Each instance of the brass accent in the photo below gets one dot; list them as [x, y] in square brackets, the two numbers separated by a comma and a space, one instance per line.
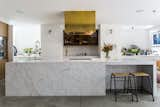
[80, 21]
[140, 74]
[124, 74]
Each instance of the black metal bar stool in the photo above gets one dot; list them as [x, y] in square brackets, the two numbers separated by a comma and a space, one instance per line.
[142, 75]
[126, 78]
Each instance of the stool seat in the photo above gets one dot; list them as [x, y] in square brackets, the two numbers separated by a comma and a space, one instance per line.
[139, 74]
[123, 74]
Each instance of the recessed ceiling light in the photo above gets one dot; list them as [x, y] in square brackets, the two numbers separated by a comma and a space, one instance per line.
[19, 12]
[154, 11]
[140, 11]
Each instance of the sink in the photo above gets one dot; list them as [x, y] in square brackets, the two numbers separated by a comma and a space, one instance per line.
[80, 58]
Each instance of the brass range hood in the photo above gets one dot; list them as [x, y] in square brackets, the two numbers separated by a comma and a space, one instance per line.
[80, 22]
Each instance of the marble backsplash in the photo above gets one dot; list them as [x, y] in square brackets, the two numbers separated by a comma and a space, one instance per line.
[81, 50]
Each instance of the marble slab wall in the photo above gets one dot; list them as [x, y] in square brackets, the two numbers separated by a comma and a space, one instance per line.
[55, 79]
[78, 50]
[52, 41]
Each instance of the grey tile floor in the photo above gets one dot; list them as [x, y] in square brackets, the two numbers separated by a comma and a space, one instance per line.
[72, 102]
[106, 101]
[2, 89]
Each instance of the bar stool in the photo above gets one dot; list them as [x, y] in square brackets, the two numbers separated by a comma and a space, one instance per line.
[127, 81]
[141, 75]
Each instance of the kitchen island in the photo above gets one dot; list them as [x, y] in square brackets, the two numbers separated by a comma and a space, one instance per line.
[70, 77]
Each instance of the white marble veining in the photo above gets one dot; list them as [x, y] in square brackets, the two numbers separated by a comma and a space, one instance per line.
[55, 79]
[52, 41]
[77, 50]
[94, 59]
[69, 77]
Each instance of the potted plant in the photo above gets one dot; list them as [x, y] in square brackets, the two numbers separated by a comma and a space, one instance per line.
[131, 50]
[107, 48]
[28, 51]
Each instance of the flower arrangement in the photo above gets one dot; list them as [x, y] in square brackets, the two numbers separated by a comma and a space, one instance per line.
[107, 48]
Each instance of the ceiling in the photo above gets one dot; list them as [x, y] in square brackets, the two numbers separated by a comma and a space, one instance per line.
[107, 11]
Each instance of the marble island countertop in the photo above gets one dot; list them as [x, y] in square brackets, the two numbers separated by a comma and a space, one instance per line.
[70, 77]
[133, 61]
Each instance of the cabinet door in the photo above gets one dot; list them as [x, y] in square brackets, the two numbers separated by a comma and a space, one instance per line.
[3, 29]
[2, 70]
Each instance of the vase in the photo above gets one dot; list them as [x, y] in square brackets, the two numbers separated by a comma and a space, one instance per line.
[107, 54]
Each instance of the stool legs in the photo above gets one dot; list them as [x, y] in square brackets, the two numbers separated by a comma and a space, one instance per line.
[124, 85]
[135, 88]
[130, 86]
[141, 85]
[111, 84]
[150, 85]
[127, 81]
[115, 89]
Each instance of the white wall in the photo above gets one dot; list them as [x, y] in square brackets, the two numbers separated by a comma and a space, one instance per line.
[24, 36]
[122, 36]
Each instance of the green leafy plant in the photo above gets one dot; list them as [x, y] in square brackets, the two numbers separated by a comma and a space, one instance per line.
[133, 50]
[28, 50]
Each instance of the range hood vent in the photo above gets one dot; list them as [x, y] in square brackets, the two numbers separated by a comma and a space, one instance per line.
[80, 21]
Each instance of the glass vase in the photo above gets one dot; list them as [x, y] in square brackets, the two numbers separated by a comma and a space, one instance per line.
[107, 54]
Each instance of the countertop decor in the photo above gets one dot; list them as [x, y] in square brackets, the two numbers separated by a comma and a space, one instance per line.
[107, 48]
[28, 51]
[131, 50]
